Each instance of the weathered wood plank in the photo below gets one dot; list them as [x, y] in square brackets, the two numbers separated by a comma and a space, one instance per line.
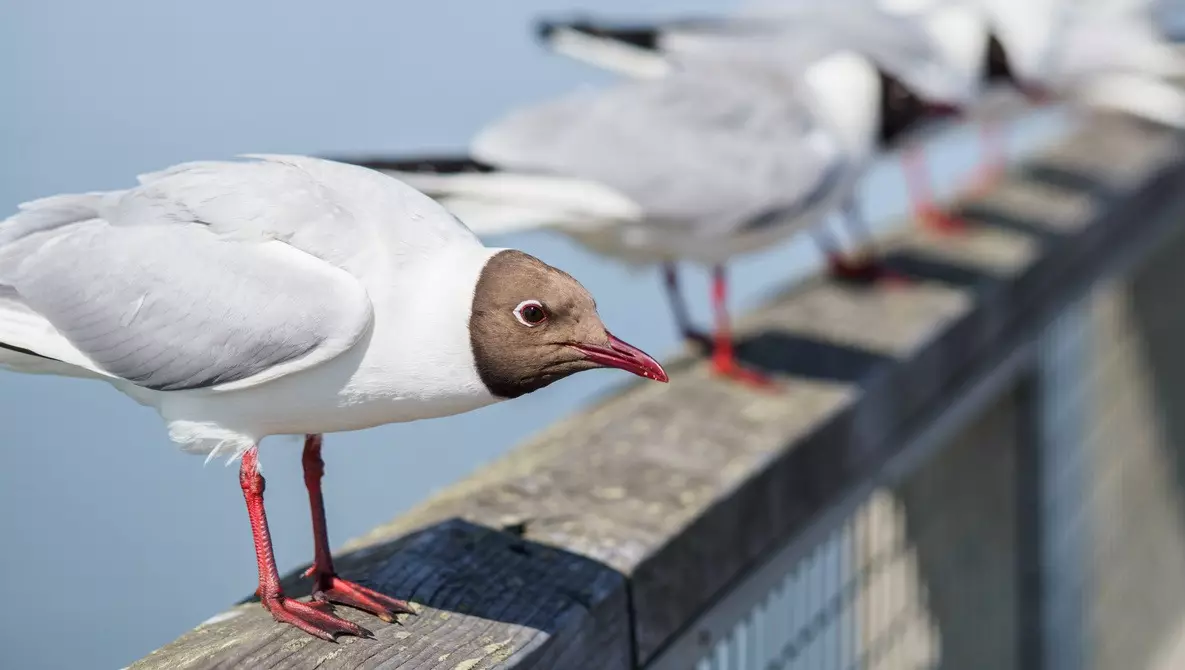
[626, 521]
[484, 596]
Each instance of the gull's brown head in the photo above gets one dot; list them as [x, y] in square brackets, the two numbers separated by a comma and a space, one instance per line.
[532, 324]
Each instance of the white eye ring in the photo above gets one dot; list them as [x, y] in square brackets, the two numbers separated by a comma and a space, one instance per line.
[518, 312]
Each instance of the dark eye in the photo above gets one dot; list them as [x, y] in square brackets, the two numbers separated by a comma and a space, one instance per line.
[530, 313]
[533, 314]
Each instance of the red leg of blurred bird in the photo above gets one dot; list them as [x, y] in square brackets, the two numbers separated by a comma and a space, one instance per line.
[720, 345]
[991, 169]
[917, 181]
[327, 586]
[724, 359]
[285, 610]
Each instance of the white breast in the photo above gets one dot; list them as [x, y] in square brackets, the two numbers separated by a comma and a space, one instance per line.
[415, 363]
[846, 91]
[959, 33]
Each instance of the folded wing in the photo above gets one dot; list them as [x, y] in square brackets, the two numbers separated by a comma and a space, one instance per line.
[714, 150]
[176, 287]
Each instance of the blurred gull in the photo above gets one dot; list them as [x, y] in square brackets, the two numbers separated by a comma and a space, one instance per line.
[1105, 54]
[1091, 54]
[1111, 55]
[795, 34]
[943, 50]
[711, 161]
[288, 295]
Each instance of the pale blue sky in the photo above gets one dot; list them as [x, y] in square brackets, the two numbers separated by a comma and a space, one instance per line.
[109, 533]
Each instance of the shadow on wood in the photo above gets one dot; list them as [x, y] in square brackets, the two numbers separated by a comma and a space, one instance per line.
[807, 357]
[919, 267]
[482, 595]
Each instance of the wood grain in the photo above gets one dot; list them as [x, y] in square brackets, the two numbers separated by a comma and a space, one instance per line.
[598, 541]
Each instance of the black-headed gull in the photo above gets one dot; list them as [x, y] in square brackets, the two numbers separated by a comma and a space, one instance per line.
[1098, 53]
[288, 295]
[700, 165]
[985, 52]
[1112, 55]
[1086, 53]
[944, 51]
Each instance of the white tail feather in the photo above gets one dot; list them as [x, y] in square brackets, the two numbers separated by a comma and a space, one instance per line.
[501, 202]
[484, 217]
[608, 54]
[1146, 97]
[23, 328]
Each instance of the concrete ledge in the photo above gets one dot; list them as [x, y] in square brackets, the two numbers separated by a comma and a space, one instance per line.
[596, 543]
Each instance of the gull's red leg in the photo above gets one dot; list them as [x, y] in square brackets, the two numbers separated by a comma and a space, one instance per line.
[327, 586]
[917, 180]
[991, 138]
[724, 360]
[285, 610]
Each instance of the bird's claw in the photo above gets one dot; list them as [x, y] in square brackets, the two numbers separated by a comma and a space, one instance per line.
[942, 222]
[724, 363]
[864, 271]
[333, 589]
[729, 368]
[312, 619]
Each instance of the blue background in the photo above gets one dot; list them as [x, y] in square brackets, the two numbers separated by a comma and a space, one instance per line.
[107, 531]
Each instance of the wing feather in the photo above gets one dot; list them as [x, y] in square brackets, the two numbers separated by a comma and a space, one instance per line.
[211, 274]
[698, 148]
[182, 308]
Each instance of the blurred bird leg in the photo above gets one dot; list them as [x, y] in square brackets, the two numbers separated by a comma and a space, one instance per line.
[305, 616]
[724, 360]
[679, 309]
[719, 345]
[863, 267]
[327, 586]
[993, 141]
[917, 180]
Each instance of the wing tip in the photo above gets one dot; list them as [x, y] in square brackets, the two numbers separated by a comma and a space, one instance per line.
[639, 35]
[26, 352]
[426, 164]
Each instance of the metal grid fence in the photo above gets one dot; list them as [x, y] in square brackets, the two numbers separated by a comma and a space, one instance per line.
[1046, 533]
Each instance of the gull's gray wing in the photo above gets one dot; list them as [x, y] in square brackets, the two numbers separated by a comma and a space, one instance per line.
[349, 216]
[707, 148]
[796, 34]
[177, 305]
[900, 44]
[1117, 41]
[801, 35]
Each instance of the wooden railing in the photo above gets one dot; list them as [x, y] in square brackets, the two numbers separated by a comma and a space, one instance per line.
[601, 542]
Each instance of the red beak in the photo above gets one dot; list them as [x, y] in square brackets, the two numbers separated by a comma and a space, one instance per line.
[624, 356]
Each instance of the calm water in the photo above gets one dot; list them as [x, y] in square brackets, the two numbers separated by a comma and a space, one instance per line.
[108, 531]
